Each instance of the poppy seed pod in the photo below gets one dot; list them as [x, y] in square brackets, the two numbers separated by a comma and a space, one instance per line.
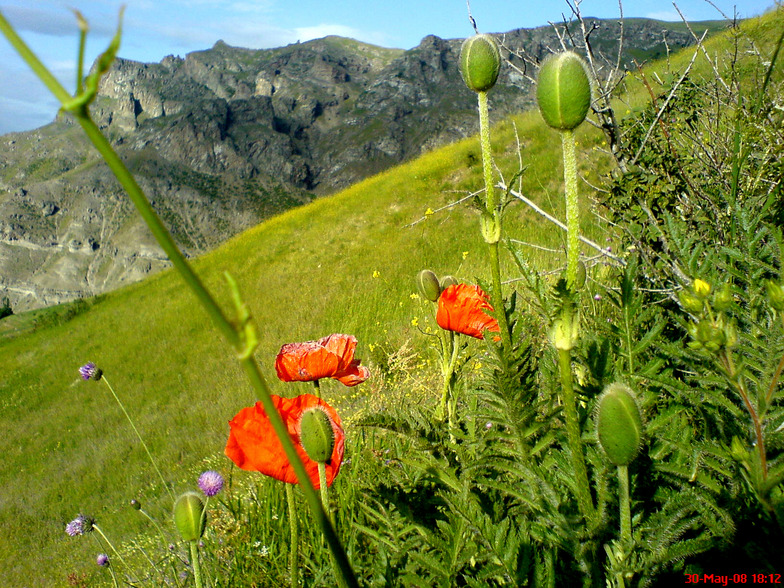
[188, 519]
[427, 283]
[619, 424]
[317, 435]
[563, 91]
[480, 62]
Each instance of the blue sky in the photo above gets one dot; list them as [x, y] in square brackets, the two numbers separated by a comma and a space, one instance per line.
[156, 28]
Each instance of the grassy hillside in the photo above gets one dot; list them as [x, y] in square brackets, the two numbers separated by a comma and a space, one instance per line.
[345, 263]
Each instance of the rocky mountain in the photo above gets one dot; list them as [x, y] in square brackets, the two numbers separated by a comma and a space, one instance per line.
[225, 137]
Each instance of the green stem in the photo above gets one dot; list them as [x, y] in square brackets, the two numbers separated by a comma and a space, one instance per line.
[584, 500]
[625, 506]
[195, 563]
[492, 210]
[138, 436]
[294, 544]
[322, 472]
[111, 545]
[572, 208]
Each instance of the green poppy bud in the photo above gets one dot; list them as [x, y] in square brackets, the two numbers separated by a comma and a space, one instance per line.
[317, 435]
[189, 516]
[480, 62]
[427, 283]
[563, 91]
[447, 281]
[619, 424]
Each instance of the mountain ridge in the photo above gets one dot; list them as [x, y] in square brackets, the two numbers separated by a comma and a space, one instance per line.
[228, 136]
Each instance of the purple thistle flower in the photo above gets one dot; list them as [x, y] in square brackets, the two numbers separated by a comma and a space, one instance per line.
[210, 482]
[90, 371]
[79, 526]
[102, 560]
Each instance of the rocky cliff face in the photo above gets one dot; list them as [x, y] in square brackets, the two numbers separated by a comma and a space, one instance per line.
[226, 137]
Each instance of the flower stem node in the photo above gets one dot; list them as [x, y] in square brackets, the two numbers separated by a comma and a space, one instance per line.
[480, 62]
[619, 424]
[491, 227]
[565, 332]
[563, 91]
[189, 516]
[317, 435]
[427, 283]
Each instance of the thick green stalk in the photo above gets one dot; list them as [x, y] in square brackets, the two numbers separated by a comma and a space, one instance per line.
[625, 506]
[138, 436]
[572, 208]
[294, 544]
[195, 563]
[491, 228]
[584, 500]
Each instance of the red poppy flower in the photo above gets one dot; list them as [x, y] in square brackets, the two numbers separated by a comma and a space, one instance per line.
[461, 308]
[254, 446]
[329, 357]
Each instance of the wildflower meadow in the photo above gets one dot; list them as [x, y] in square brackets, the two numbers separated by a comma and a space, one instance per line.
[601, 408]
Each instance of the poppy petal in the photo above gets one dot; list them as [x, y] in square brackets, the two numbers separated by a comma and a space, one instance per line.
[253, 445]
[461, 308]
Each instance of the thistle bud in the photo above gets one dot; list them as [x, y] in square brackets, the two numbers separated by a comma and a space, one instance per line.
[690, 302]
[775, 295]
[619, 424]
[480, 62]
[563, 91]
[447, 281]
[723, 299]
[317, 435]
[427, 283]
[188, 516]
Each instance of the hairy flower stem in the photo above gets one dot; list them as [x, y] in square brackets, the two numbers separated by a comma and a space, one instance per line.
[449, 354]
[294, 543]
[138, 436]
[625, 505]
[194, 546]
[584, 500]
[493, 212]
[572, 209]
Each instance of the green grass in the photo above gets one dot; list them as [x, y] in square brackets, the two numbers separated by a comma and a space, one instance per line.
[344, 263]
